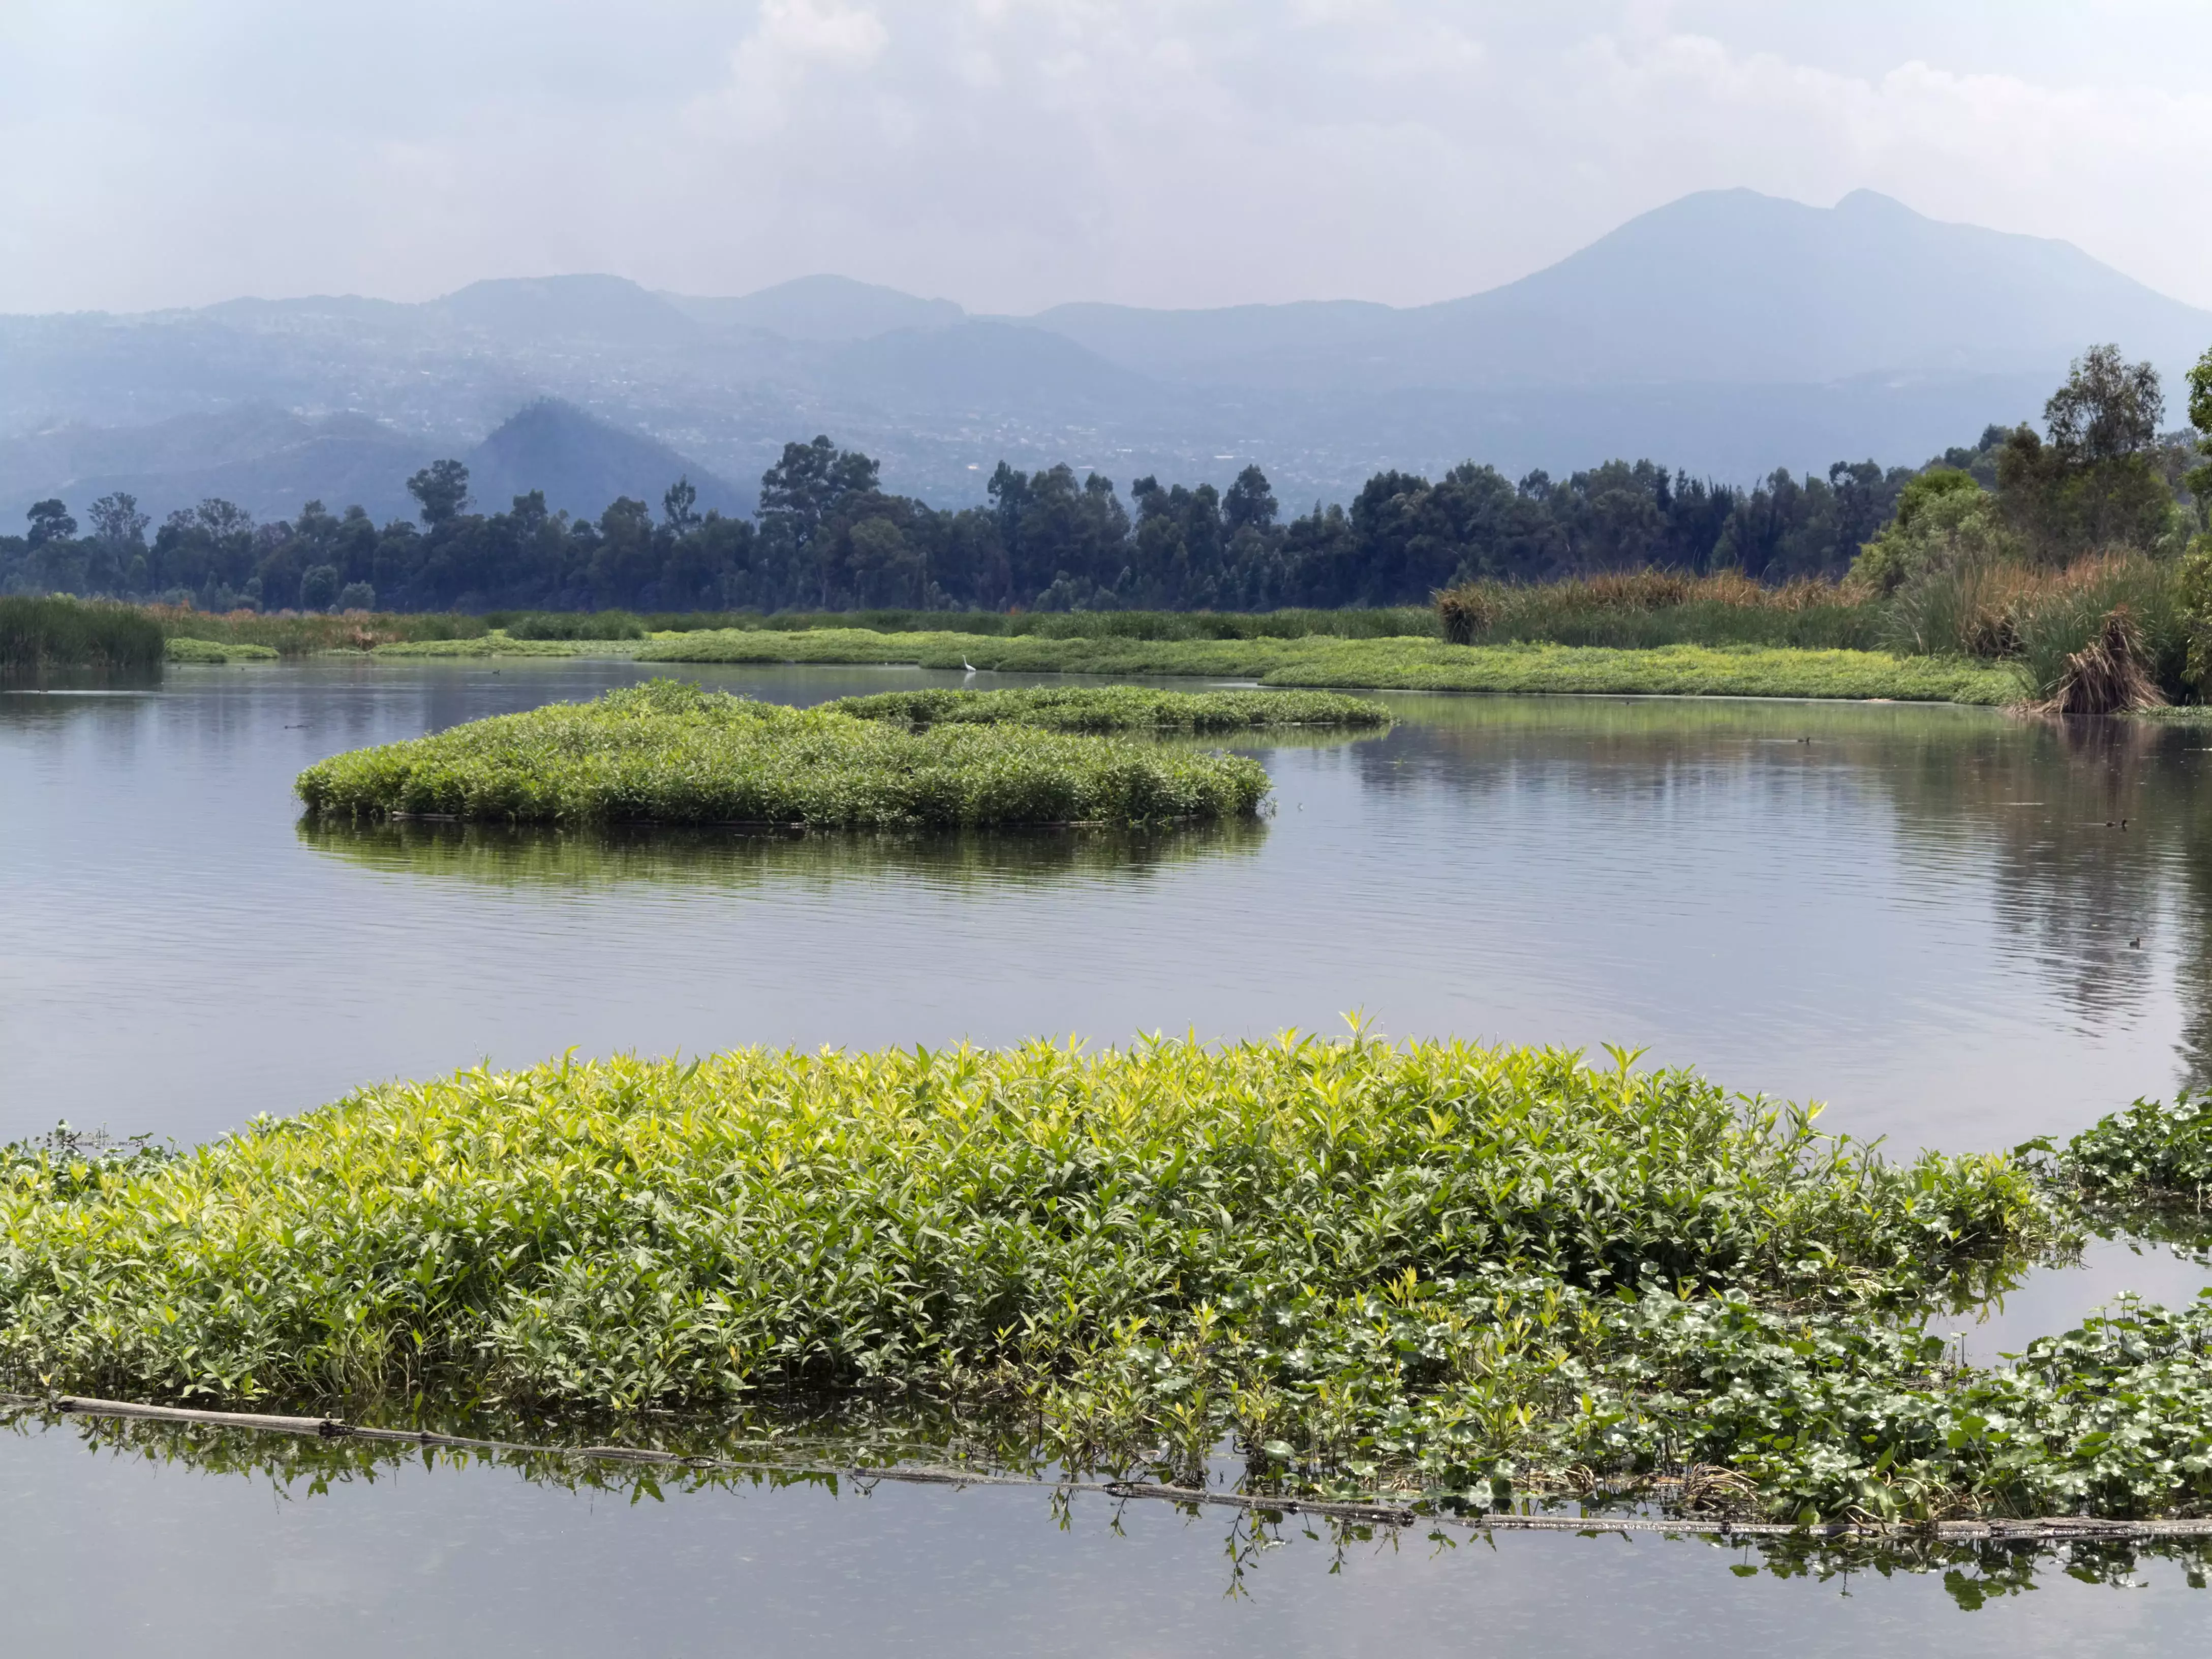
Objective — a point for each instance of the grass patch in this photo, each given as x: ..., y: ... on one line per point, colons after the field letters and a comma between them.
x: 670, y: 753
x: 40, y: 634
x: 1392, y: 664
x: 498, y: 645
x: 1431, y: 1266
x: 1118, y: 708
x: 183, y: 649
x: 1352, y: 622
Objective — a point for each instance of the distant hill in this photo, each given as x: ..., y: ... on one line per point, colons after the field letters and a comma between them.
x: 268, y: 461
x: 1726, y: 286
x: 1726, y: 333
x: 832, y: 309
x: 583, y: 464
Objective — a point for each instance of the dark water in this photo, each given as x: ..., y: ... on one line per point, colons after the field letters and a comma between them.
x: 1932, y: 919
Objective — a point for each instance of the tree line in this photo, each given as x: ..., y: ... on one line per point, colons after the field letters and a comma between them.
x: 827, y: 536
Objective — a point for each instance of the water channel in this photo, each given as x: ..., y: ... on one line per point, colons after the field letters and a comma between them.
x: 1958, y: 929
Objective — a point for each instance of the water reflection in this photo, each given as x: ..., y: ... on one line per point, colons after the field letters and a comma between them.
x: 804, y: 1459
x: 492, y: 855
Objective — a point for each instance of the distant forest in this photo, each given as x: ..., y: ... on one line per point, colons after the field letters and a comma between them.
x: 828, y: 537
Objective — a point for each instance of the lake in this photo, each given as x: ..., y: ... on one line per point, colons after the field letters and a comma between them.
x: 1958, y: 929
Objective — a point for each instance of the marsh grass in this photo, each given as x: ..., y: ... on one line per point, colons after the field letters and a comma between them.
x: 1119, y: 709
x: 306, y: 634
x: 182, y: 648
x: 42, y: 634
x: 1391, y: 664
x: 1382, y: 622
x: 500, y: 645
x: 670, y: 753
x: 1642, y: 609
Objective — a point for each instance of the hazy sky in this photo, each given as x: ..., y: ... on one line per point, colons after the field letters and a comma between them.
x: 1010, y: 154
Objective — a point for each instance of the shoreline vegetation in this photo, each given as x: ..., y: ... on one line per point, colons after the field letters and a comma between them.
x: 1411, y: 665
x: 669, y: 753
x: 1426, y: 1271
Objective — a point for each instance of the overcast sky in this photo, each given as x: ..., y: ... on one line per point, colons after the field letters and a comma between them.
x: 1011, y: 154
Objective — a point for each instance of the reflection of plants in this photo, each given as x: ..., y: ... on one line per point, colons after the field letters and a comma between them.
x: 770, y: 1452
x: 493, y: 855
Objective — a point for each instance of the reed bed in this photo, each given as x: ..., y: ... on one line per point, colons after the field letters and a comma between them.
x: 1640, y: 609
x: 1429, y: 1265
x: 670, y: 753
x: 1119, y: 709
x: 41, y: 634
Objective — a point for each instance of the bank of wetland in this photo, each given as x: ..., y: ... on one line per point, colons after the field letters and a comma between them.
x: 670, y: 753
x: 1428, y: 1272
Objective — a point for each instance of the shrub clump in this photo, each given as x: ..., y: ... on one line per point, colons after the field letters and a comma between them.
x: 1117, y: 708
x: 1430, y: 1264
x: 671, y: 753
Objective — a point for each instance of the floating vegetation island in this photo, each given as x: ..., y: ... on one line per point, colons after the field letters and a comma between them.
x: 1426, y: 1269
x: 1120, y: 708
x: 670, y: 753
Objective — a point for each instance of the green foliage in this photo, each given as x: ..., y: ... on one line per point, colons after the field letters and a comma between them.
x: 61, y: 633
x: 670, y: 753
x: 183, y: 649
x: 2155, y: 1152
x: 2192, y: 598
x: 1948, y: 524
x: 1117, y: 708
x: 1407, y: 664
x: 1368, y: 1262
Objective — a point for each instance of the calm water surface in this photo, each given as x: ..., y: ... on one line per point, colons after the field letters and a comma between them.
x: 1957, y: 929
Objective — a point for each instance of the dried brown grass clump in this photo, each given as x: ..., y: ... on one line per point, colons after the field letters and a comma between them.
x: 1467, y: 611
x: 1637, y: 590
x: 2110, y: 675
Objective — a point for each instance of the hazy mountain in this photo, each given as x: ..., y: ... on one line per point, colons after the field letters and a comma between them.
x: 1726, y: 333
x: 266, y: 460
x: 1723, y: 286
x: 834, y: 309
x: 582, y: 465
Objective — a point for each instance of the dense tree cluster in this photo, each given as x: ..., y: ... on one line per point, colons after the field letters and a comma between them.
x: 827, y: 535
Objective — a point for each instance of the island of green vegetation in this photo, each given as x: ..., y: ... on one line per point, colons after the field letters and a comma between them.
x: 1118, y: 708
x: 1434, y: 1271
x: 183, y: 649
x: 671, y: 753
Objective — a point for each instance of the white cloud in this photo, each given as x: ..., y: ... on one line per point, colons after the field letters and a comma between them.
x: 1015, y: 153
